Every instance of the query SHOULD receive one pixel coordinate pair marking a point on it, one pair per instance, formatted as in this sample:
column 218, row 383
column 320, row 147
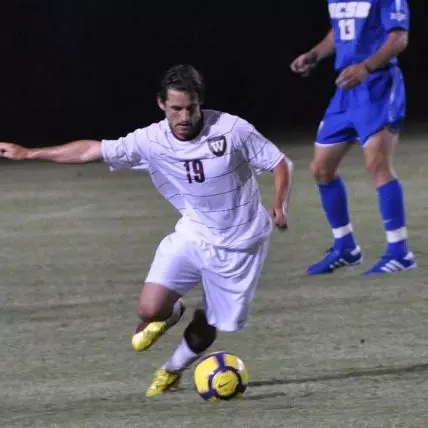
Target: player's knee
column 372, row 167
column 378, row 166
column 199, row 334
column 321, row 172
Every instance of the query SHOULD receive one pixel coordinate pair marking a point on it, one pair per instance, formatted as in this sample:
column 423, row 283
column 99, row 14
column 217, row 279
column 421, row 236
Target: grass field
column 334, row 351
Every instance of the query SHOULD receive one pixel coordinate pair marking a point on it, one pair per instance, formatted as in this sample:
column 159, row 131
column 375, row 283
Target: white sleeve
column 260, row 152
column 128, row 152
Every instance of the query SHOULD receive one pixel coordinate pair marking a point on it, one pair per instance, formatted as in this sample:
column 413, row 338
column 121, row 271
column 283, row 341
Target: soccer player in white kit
column 204, row 162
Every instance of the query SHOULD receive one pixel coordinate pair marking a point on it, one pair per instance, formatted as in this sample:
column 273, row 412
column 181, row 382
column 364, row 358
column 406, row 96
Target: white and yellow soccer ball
column 220, row 376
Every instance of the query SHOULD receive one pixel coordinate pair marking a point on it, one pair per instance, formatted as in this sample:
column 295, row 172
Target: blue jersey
column 362, row 27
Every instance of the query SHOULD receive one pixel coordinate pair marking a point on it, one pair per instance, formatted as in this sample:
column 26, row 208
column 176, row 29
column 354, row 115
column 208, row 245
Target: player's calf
column 345, row 251
column 197, row 338
column 334, row 201
column 199, row 335
column 378, row 153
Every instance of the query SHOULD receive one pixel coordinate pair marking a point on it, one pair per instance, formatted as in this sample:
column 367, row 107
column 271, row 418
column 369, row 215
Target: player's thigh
column 377, row 127
column 173, row 272
column 230, row 283
column 336, row 126
column 334, row 137
column 384, row 106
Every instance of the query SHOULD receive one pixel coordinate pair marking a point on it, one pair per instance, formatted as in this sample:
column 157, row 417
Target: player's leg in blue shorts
column 378, row 125
column 371, row 113
column 335, row 134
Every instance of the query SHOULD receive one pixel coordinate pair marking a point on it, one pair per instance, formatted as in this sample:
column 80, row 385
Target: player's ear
column 161, row 104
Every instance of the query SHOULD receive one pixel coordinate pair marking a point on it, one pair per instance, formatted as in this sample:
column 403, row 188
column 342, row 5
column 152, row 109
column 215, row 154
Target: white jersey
column 210, row 180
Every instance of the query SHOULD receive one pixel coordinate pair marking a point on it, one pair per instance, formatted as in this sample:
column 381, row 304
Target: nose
column 185, row 116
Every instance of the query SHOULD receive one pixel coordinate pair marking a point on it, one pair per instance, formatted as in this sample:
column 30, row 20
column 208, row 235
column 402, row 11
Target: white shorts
column 229, row 277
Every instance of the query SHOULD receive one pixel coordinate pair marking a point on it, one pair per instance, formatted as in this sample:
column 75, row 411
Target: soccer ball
column 220, row 376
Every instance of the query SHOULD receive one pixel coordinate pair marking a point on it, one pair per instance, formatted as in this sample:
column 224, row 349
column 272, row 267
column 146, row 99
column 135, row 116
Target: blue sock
column 335, row 203
column 391, row 205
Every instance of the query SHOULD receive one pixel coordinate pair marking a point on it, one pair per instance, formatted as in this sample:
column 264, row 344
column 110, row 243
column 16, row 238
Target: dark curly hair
column 182, row 77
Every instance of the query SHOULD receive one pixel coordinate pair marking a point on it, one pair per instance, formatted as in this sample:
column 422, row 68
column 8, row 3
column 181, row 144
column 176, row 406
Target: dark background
column 89, row 69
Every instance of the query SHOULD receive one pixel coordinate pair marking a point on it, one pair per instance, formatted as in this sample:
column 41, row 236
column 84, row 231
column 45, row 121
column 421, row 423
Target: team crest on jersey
column 217, row 145
column 398, row 16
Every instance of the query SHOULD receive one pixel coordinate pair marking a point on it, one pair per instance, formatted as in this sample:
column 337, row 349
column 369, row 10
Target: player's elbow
column 403, row 41
column 400, row 39
column 92, row 152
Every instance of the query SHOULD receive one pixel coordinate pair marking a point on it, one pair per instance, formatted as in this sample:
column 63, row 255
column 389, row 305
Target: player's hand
column 352, row 76
column 304, row 63
column 280, row 217
column 13, row 151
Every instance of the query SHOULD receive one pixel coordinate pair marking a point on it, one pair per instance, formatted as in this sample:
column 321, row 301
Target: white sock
column 175, row 315
column 182, row 358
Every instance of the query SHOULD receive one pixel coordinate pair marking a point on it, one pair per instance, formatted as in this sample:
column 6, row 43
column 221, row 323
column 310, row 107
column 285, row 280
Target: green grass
column 334, row 351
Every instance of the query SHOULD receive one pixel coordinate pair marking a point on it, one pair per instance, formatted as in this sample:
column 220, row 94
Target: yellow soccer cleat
column 164, row 381
column 146, row 335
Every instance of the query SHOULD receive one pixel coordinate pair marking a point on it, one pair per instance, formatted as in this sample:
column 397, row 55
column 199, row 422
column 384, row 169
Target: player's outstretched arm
column 80, row 151
column 306, row 62
column 282, row 177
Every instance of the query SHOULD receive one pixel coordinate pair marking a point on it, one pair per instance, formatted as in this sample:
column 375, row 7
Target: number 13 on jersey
column 347, row 29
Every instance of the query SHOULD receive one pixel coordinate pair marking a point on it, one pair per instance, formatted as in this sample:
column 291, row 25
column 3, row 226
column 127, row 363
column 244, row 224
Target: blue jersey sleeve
column 395, row 15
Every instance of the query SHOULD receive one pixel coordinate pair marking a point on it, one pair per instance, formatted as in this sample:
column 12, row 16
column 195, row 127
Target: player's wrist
column 280, row 204
column 30, row 154
column 313, row 56
column 368, row 67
